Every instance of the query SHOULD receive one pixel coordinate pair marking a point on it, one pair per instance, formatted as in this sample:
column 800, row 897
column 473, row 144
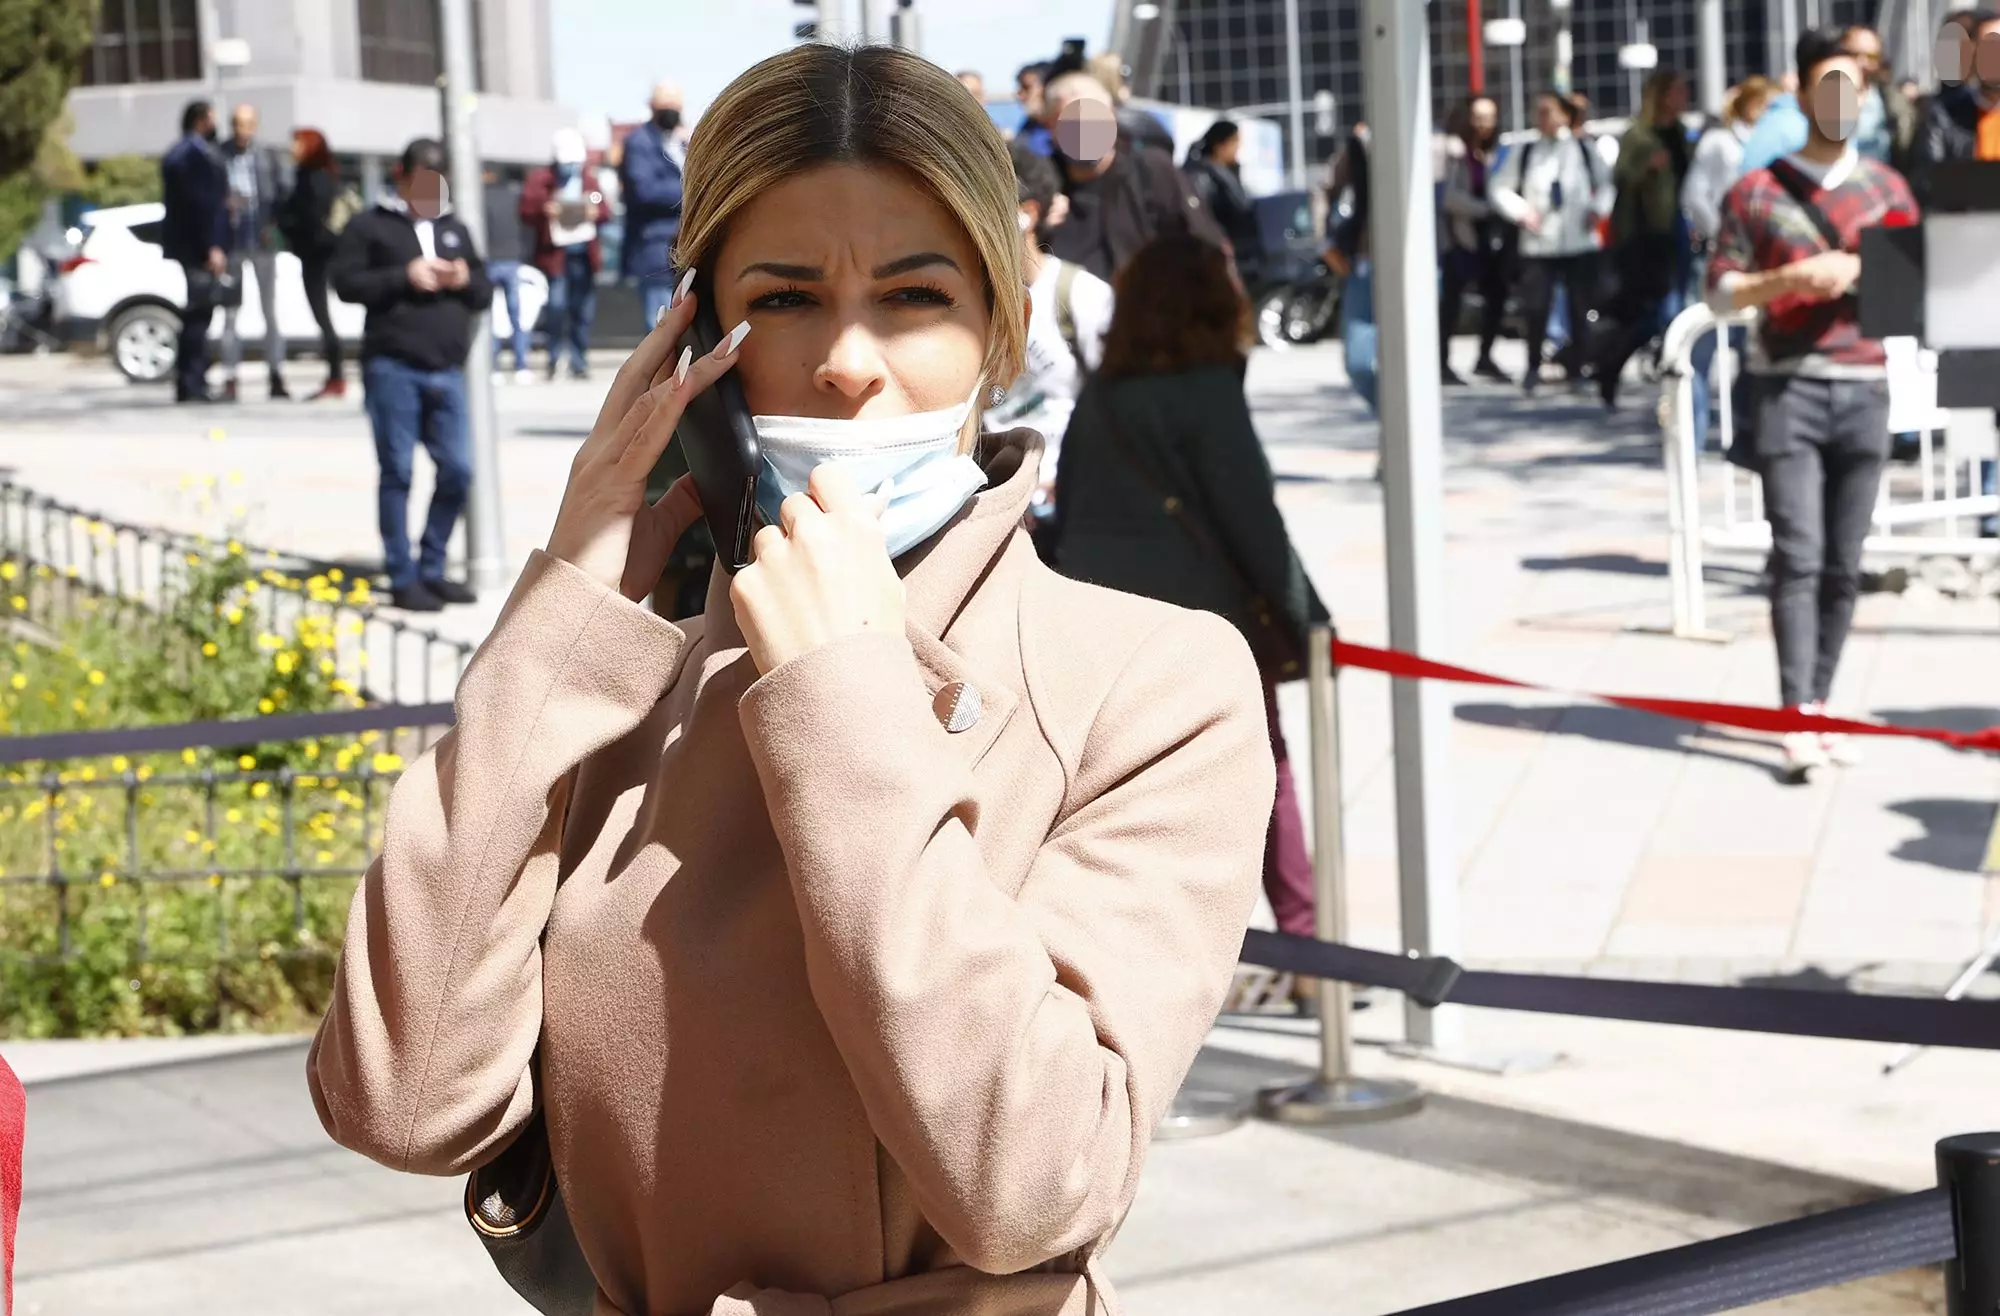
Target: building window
column 144, row 41
column 403, row 41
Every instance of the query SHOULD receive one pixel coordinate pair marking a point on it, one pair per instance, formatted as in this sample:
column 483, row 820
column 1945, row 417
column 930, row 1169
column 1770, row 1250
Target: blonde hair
column 1747, row 95
column 819, row 104
column 1109, row 70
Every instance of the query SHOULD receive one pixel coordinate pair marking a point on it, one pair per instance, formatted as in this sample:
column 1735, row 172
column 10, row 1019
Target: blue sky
column 608, row 53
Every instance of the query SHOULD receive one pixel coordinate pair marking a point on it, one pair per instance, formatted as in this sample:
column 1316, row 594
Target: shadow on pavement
column 1955, row 833
column 1621, row 727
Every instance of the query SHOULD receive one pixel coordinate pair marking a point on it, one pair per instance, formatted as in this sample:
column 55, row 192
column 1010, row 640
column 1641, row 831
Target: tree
column 42, row 45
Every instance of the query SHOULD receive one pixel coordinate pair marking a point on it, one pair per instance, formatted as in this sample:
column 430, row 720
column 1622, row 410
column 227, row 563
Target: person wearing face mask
column 1121, row 194
column 649, row 182
column 849, row 940
column 1069, row 309
column 411, row 263
column 1787, row 244
column 564, row 206
column 194, row 185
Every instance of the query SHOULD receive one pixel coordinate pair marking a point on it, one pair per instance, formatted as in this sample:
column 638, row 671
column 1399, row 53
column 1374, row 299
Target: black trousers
column 1539, row 276
column 1821, row 444
column 313, row 270
column 191, row 348
column 1487, row 272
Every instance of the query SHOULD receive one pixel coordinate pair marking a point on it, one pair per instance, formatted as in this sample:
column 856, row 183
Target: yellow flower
column 234, row 616
column 235, row 549
column 270, row 641
column 97, row 678
column 259, row 789
column 76, row 705
column 145, row 773
column 234, row 815
column 308, row 782
column 312, row 749
column 19, row 681
column 20, row 603
column 326, row 666
column 187, row 756
column 245, row 762
column 285, row 662
column 191, row 836
column 333, row 574
column 208, row 845
column 215, row 879
column 87, row 773
column 209, row 650
column 317, row 582
column 266, row 706
column 8, row 570
column 387, row 762
column 251, row 587
column 120, row 763
column 194, row 559
column 107, row 879
column 324, row 857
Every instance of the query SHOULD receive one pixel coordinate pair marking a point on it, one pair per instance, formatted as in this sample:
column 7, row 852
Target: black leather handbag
column 515, row 1206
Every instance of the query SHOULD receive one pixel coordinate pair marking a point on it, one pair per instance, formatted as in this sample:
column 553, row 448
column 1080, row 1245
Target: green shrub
column 186, row 901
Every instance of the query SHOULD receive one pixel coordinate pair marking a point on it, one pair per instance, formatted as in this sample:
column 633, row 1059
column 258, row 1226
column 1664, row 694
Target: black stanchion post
column 1969, row 1169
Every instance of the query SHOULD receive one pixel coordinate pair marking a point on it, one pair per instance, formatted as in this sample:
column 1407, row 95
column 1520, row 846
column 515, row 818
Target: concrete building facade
column 363, row 72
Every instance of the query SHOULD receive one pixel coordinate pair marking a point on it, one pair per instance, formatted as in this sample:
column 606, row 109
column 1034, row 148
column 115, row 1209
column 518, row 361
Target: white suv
column 121, row 291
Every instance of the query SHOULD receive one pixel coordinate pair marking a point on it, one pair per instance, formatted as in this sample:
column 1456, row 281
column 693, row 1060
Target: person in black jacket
column 1217, row 179
column 308, row 218
column 412, row 264
column 1121, row 195
column 195, row 234
column 1166, row 492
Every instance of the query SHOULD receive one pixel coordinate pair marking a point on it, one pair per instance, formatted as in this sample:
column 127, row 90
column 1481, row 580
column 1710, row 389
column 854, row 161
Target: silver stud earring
column 996, row 396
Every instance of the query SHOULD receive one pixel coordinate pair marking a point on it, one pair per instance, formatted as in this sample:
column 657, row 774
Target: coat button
column 956, row 706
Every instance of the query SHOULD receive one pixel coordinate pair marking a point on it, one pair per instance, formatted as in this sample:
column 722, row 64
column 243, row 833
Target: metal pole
column 1296, row 90
column 1336, row 1095
column 485, row 546
column 872, row 25
column 1403, row 241
column 1714, row 58
column 1969, row 1169
column 1517, row 94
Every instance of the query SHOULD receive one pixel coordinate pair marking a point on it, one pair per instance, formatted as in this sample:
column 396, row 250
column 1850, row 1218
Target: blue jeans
column 506, row 276
column 1357, row 330
column 1558, row 319
column 408, row 406
column 654, row 292
column 572, row 307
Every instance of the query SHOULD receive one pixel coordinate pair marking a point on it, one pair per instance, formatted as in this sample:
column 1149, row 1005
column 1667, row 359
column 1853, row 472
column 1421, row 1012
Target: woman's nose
column 853, row 365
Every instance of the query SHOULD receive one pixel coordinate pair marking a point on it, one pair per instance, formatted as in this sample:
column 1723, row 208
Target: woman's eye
column 923, row 296
column 780, row 300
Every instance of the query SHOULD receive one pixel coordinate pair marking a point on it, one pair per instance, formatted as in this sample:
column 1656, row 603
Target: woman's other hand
column 604, row 526
column 821, row 575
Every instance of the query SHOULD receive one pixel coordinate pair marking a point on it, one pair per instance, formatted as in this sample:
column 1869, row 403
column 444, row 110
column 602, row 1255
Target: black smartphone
column 719, row 443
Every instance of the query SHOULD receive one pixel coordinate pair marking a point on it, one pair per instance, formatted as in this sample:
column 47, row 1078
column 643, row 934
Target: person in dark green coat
column 1164, row 490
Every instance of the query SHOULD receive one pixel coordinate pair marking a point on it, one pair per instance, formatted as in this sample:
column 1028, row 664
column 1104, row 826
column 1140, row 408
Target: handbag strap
column 1174, row 505
column 1800, row 189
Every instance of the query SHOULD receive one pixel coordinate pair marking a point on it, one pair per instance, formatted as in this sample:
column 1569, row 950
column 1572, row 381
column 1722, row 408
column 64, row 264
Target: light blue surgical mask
column 914, row 457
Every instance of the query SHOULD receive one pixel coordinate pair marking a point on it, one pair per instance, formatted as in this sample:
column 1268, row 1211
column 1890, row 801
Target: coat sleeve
column 650, row 180
column 1505, row 188
column 422, row 1060
column 1235, row 478
column 355, row 280
column 1015, row 1050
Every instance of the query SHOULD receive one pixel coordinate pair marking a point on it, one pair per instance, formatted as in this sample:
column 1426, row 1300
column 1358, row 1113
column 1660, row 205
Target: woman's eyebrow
column 813, row 273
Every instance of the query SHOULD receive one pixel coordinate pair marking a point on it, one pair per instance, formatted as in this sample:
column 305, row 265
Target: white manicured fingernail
column 727, row 347
column 660, row 316
column 681, row 370
column 681, row 292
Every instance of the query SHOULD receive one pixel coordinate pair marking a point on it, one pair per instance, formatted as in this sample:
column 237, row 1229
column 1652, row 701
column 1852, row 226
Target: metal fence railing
column 145, row 568
column 135, row 842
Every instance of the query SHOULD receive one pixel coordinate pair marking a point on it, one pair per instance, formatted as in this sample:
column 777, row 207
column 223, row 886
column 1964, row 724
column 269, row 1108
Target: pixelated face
column 424, row 191
column 1966, row 54
column 866, row 296
column 1086, row 129
column 1833, row 97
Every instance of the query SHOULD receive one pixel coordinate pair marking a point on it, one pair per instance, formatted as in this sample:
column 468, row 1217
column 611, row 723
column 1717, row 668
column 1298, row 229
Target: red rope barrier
column 1745, row 716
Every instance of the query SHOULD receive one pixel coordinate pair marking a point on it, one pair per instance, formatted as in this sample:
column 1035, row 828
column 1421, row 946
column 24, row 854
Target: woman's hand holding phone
column 821, row 575
column 604, row 526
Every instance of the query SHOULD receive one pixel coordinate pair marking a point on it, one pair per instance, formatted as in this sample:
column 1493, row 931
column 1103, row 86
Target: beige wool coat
column 860, row 986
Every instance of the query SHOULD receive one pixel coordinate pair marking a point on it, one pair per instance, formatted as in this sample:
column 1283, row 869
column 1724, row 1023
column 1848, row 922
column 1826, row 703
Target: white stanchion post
column 1336, row 1095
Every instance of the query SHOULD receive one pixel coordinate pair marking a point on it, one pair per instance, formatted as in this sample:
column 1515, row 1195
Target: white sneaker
column 524, row 376
column 1840, row 749
column 1805, row 755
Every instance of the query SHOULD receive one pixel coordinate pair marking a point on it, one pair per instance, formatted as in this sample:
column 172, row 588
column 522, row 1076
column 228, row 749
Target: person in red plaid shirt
column 1787, row 245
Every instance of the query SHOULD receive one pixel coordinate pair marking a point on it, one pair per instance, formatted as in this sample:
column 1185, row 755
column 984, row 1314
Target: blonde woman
column 854, row 936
